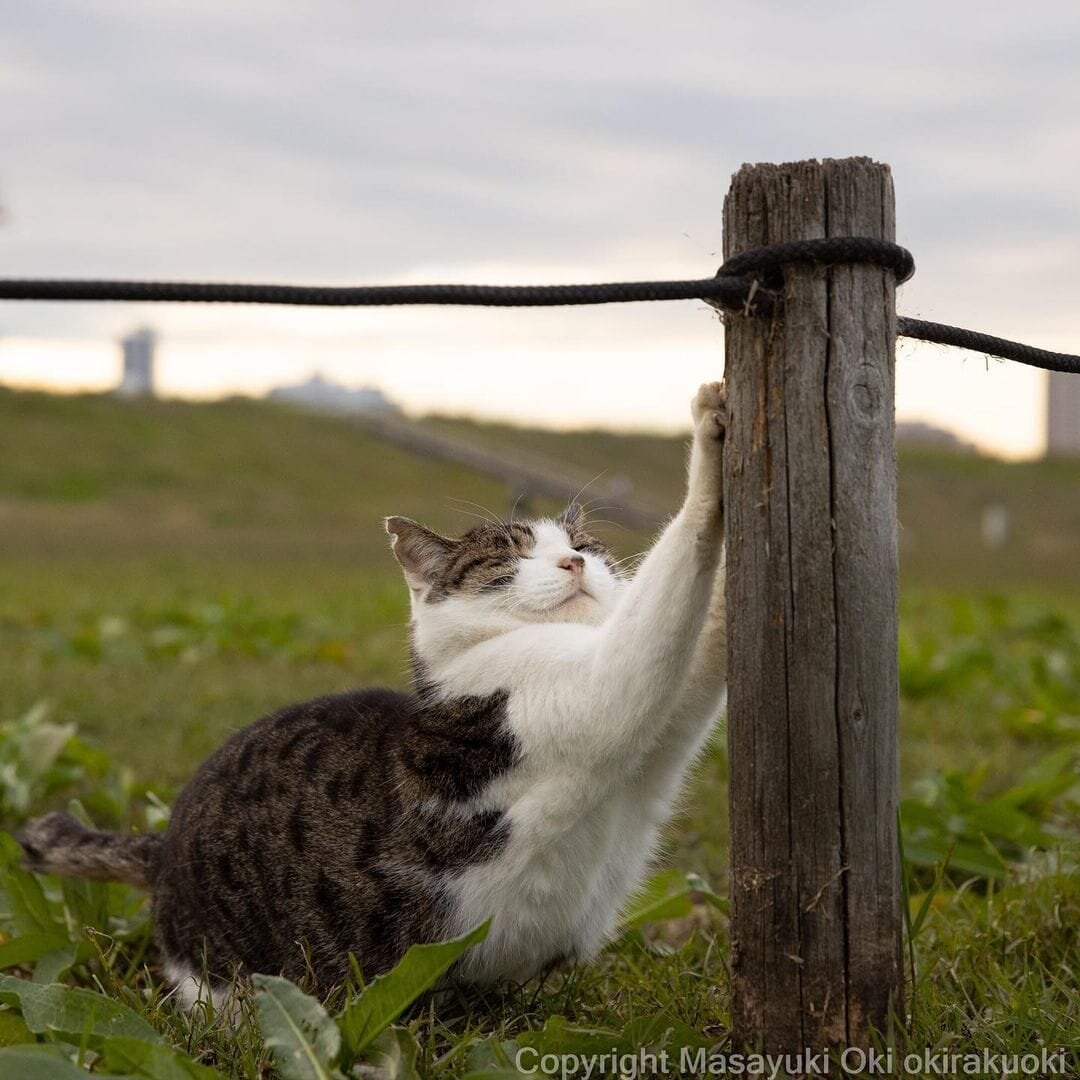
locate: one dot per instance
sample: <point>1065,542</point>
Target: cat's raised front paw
<point>709,410</point>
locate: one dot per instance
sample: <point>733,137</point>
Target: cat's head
<point>540,570</point>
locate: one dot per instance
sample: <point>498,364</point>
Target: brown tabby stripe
<point>302,833</point>
<point>483,556</point>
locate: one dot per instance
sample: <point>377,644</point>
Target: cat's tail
<point>59,844</point>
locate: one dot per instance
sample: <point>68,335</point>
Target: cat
<point>557,708</point>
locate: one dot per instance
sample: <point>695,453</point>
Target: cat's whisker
<point>607,521</point>
<point>585,487</point>
<point>587,514</point>
<point>513,509</point>
<point>484,515</point>
<point>589,505</point>
<point>485,518</point>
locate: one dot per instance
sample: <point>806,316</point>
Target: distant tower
<point>138,377</point>
<point>1063,415</point>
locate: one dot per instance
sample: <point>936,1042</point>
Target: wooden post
<point>810,489</point>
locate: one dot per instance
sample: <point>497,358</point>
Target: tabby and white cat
<point>557,709</point>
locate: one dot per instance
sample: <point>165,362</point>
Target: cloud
<point>337,141</point>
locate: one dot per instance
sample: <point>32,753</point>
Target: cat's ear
<point>421,552</point>
<point>572,517</point>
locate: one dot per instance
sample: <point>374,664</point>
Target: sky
<point>350,142</point>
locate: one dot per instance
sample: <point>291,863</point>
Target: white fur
<point>613,687</point>
<point>191,989</point>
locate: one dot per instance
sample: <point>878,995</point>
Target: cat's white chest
<point>555,890</point>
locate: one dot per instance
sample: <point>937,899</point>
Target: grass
<point>169,572</point>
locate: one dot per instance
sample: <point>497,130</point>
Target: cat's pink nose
<point>574,563</point>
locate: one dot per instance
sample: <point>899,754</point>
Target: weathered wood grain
<point>810,498</point>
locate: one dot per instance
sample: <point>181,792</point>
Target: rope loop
<point>756,277</point>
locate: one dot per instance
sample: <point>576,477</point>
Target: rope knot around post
<point>755,278</point>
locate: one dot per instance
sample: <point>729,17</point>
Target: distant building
<point>1062,415</point>
<point>920,433</point>
<point>320,393</point>
<point>138,377</point>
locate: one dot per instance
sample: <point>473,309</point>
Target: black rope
<point>724,289</point>
<point>750,283</point>
<point>943,334</point>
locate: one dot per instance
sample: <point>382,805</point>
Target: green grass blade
<point>928,899</point>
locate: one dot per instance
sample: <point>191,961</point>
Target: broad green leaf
<point>54,965</point>
<point>659,1031</point>
<point>968,858</point>
<point>491,1056</point>
<point>705,894</point>
<point>13,1029</point>
<point>393,1054</point>
<point>558,1037</point>
<point>385,998</point>
<point>491,1059</point>
<point>42,744</point>
<point>303,1039</point>
<point>1051,775</point>
<point>26,902</point>
<point>664,896</point>
<point>671,894</point>
<point>85,902</point>
<point>28,949</point>
<point>72,1014</point>
<point>121,1053</point>
<point>39,1062</point>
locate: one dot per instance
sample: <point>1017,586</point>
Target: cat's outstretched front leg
<point>695,711</point>
<point>707,672</point>
<point>646,652</point>
<point>699,701</point>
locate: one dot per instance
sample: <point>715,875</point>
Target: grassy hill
<point>171,571</point>
<point>181,568</point>
<point>247,479</point>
